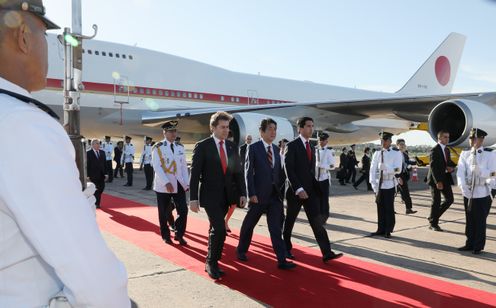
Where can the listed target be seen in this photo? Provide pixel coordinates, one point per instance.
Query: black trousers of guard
(109, 171)
(364, 177)
(405, 195)
(274, 211)
(118, 169)
(129, 172)
(351, 174)
(217, 234)
(438, 208)
(476, 222)
(100, 186)
(385, 211)
(324, 201)
(164, 206)
(312, 210)
(148, 175)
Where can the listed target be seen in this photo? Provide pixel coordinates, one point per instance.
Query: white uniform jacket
(391, 166)
(49, 239)
(128, 153)
(146, 155)
(483, 168)
(325, 162)
(108, 148)
(169, 167)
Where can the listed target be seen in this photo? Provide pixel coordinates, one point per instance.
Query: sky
(375, 45)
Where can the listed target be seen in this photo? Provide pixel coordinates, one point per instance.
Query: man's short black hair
(302, 121)
(264, 124)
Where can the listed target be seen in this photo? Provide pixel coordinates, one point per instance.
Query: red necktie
(223, 160)
(446, 154)
(309, 152)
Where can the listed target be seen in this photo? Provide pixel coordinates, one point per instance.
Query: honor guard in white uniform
(108, 148)
(384, 176)
(50, 243)
(128, 159)
(476, 171)
(146, 162)
(170, 182)
(325, 163)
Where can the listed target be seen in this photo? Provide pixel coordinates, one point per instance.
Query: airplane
(132, 91)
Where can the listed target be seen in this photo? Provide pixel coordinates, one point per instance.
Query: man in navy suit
(216, 165)
(264, 179)
(304, 190)
(96, 169)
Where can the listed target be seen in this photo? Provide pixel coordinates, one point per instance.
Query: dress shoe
(410, 211)
(464, 248)
(477, 252)
(181, 241)
(212, 271)
(147, 188)
(387, 235)
(167, 241)
(376, 233)
(331, 256)
(241, 256)
(285, 265)
(436, 228)
(127, 184)
(289, 255)
(354, 186)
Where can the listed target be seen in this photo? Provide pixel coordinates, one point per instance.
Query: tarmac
(156, 282)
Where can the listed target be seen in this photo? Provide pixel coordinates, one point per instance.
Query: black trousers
(405, 194)
(148, 176)
(351, 173)
(324, 201)
(385, 211)
(129, 172)
(476, 218)
(100, 187)
(312, 210)
(109, 171)
(217, 234)
(438, 208)
(364, 177)
(164, 206)
(118, 168)
(274, 211)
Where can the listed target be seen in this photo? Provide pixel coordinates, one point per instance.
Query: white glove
(89, 193)
(375, 188)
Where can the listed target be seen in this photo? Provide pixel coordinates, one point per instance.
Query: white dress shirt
(217, 145)
(483, 168)
(49, 239)
(391, 165)
(163, 177)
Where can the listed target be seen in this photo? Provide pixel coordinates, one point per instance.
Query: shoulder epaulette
(488, 149)
(158, 144)
(396, 149)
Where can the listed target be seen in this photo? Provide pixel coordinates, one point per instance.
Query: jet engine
(458, 116)
(244, 124)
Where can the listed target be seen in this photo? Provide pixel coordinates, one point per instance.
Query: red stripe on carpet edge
(347, 281)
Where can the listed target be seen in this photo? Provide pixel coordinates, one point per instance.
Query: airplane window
(201, 96)
(141, 91)
(160, 92)
(83, 50)
(135, 90)
(97, 52)
(166, 93)
(172, 93)
(189, 95)
(123, 56)
(90, 52)
(195, 95)
(178, 94)
(232, 99)
(154, 92)
(147, 91)
(222, 98)
(104, 53)
(237, 99)
(184, 94)
(111, 54)
(130, 57)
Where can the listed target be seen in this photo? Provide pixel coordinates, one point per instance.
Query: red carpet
(346, 282)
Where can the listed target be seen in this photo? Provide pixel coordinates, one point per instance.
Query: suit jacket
(208, 184)
(117, 154)
(263, 180)
(242, 154)
(299, 170)
(95, 167)
(365, 163)
(437, 168)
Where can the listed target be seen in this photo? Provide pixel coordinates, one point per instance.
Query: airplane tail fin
(437, 74)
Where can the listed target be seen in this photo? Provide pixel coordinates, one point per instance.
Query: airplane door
(252, 97)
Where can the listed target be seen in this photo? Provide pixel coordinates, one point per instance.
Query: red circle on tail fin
(443, 70)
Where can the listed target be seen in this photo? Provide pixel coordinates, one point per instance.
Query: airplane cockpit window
(90, 52)
(130, 57)
(123, 56)
(97, 53)
(117, 55)
(111, 54)
(104, 53)
(166, 93)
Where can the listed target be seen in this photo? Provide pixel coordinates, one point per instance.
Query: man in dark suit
(242, 149)
(365, 170)
(264, 178)
(299, 164)
(96, 169)
(351, 163)
(215, 163)
(440, 180)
